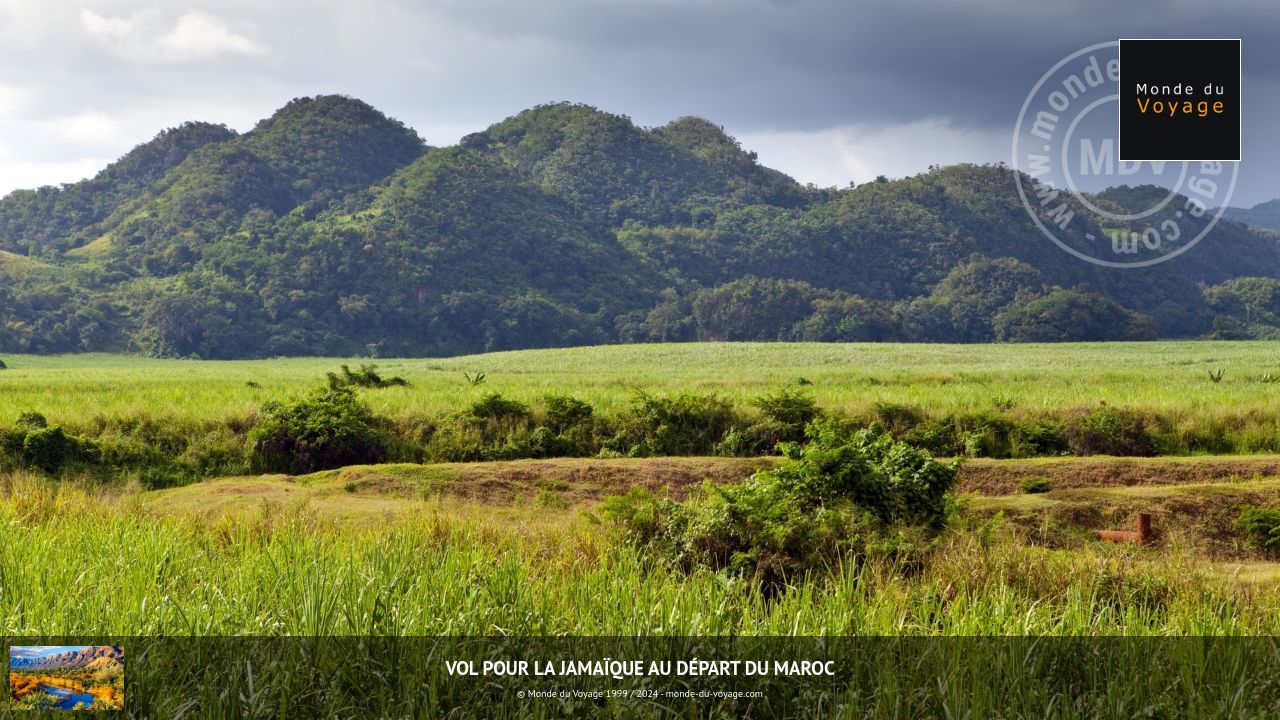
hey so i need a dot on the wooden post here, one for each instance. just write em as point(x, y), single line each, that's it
point(1144, 528)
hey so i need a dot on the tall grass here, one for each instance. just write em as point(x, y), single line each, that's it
point(1164, 376)
point(199, 410)
point(76, 561)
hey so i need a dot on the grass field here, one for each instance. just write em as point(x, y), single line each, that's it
point(315, 556)
point(520, 548)
point(1171, 377)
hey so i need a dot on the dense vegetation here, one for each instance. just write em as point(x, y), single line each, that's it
point(331, 229)
point(434, 569)
point(839, 494)
point(167, 422)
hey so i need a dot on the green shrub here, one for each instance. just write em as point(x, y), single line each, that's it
point(1035, 484)
point(898, 417)
point(11, 446)
point(838, 493)
point(1042, 436)
point(541, 442)
point(3, 366)
point(1260, 527)
point(49, 448)
point(984, 434)
point(762, 438)
point(495, 407)
point(788, 406)
point(32, 420)
point(785, 415)
point(936, 436)
point(684, 424)
point(366, 377)
point(1109, 431)
point(494, 428)
point(328, 429)
point(565, 413)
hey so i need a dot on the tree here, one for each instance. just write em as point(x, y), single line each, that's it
point(1071, 315)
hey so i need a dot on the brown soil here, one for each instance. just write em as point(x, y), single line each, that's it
point(1001, 477)
point(575, 480)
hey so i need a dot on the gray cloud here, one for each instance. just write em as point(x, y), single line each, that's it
point(833, 80)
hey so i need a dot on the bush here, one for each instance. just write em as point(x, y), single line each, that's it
point(1260, 527)
point(898, 417)
point(684, 424)
point(1043, 436)
point(32, 420)
point(565, 413)
point(366, 377)
point(33, 443)
point(50, 448)
point(789, 407)
point(328, 429)
point(1109, 431)
point(786, 413)
point(3, 366)
point(984, 434)
point(1035, 484)
point(837, 493)
point(495, 407)
point(761, 438)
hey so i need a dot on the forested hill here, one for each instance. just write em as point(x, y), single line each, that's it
point(331, 229)
point(1263, 215)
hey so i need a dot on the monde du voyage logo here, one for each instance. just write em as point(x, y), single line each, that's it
point(1127, 150)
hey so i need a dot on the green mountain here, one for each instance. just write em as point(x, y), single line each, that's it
point(331, 229)
point(31, 220)
point(1263, 215)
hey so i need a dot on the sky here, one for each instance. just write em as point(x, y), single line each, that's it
point(829, 91)
point(28, 652)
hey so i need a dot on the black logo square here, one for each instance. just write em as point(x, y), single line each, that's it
point(1179, 100)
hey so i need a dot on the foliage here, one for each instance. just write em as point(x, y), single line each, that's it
point(167, 422)
point(682, 424)
point(329, 229)
point(840, 492)
point(1110, 431)
point(31, 420)
point(1261, 527)
point(495, 407)
point(784, 415)
point(1071, 315)
point(35, 444)
point(324, 430)
point(366, 377)
point(50, 448)
point(565, 413)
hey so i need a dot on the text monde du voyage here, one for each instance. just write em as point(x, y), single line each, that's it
point(1181, 99)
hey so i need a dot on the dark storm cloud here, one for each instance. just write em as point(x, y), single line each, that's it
point(810, 65)
point(86, 80)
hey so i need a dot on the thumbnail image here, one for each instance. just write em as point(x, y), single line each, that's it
point(66, 677)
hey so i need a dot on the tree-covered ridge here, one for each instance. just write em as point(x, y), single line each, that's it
point(331, 229)
point(610, 169)
point(1263, 215)
point(31, 220)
